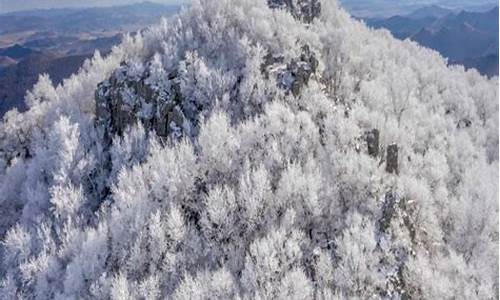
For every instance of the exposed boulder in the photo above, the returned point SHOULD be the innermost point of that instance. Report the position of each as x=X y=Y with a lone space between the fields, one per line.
x=125 y=99
x=304 y=10
x=293 y=76
x=372 y=138
x=388 y=210
x=396 y=214
x=270 y=60
x=464 y=123
x=392 y=159
x=130 y=96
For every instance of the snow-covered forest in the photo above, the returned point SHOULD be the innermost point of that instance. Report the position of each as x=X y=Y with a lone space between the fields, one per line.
x=253 y=149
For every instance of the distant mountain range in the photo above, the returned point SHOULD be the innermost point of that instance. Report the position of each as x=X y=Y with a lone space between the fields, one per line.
x=72 y=45
x=487 y=65
x=431 y=11
x=86 y=19
x=15 y=80
x=57 y=41
x=388 y=8
x=17 y=52
x=468 y=38
x=6 y=61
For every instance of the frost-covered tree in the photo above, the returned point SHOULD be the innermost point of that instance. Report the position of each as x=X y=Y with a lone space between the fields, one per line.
x=254 y=150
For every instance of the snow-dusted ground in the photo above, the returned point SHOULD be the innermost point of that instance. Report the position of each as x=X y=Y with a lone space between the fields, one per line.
x=268 y=189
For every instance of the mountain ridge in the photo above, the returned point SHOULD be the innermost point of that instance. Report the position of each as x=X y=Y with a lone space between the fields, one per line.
x=53 y=34
x=98 y=18
x=457 y=35
x=254 y=150
x=432 y=11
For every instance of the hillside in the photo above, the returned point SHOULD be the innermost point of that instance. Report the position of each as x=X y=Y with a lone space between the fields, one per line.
x=388 y=8
x=17 y=52
x=250 y=149
x=463 y=36
x=56 y=40
x=431 y=11
x=69 y=21
x=6 y=61
x=487 y=65
x=459 y=42
x=401 y=27
x=17 y=79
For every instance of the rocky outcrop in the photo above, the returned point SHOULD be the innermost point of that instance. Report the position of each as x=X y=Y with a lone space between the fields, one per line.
x=392 y=159
x=388 y=209
x=397 y=216
x=464 y=123
x=372 y=141
x=304 y=10
x=396 y=206
x=125 y=99
x=295 y=75
x=130 y=96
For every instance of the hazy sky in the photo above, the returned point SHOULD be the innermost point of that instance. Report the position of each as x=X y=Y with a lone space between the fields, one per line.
x=13 y=5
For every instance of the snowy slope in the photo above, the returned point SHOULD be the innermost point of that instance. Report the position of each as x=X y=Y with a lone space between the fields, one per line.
x=239 y=151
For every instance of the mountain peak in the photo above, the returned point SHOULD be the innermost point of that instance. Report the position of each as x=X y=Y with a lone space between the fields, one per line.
x=17 y=52
x=431 y=11
x=236 y=152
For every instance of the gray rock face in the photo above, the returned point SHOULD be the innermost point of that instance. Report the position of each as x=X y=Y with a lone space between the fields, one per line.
x=397 y=208
x=293 y=76
x=125 y=99
x=304 y=10
x=392 y=159
x=464 y=123
x=372 y=140
x=130 y=96
x=388 y=211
